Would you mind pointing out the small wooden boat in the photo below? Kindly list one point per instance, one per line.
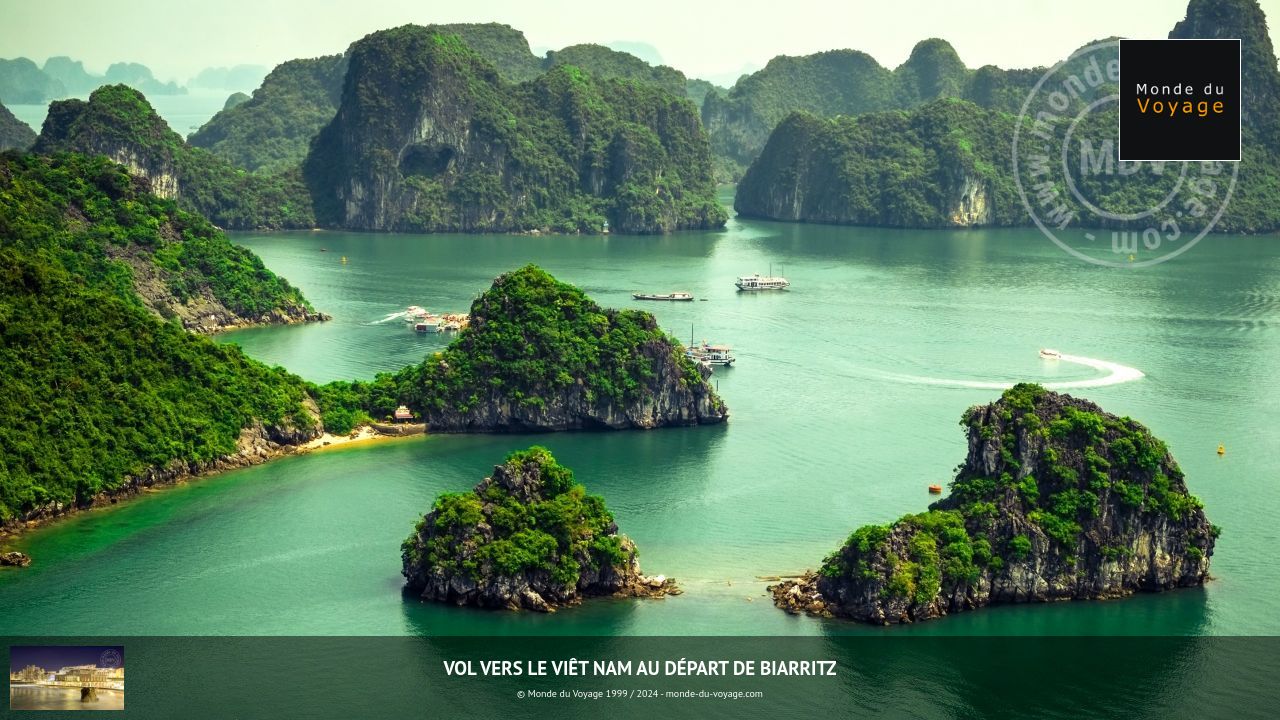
(670, 297)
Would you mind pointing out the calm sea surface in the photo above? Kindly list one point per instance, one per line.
(845, 403)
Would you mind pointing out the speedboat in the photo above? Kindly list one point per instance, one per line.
(1050, 354)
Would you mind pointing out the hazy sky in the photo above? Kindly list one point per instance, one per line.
(710, 39)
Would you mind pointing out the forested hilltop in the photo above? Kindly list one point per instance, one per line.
(847, 82)
(102, 389)
(430, 138)
(118, 122)
(949, 162)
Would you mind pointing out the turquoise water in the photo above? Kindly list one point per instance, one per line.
(844, 407)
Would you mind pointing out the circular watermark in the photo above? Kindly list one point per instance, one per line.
(110, 658)
(1102, 210)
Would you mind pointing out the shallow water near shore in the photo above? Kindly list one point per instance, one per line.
(844, 403)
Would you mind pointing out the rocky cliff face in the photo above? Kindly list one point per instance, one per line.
(117, 122)
(1056, 500)
(428, 137)
(14, 134)
(527, 538)
(668, 398)
(539, 355)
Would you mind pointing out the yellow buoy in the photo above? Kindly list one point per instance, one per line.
(1130, 257)
(344, 259)
(1222, 449)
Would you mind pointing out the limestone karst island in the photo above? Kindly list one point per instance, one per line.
(581, 360)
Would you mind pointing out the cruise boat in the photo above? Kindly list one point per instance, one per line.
(1050, 354)
(756, 281)
(712, 354)
(672, 297)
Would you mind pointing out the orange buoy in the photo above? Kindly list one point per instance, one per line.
(935, 489)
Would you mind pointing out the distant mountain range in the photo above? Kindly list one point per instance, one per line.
(844, 139)
(23, 82)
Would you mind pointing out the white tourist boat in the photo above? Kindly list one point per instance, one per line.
(756, 281)
(709, 354)
(1050, 354)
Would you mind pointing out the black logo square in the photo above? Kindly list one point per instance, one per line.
(1179, 100)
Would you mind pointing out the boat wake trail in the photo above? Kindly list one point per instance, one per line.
(389, 318)
(1116, 374)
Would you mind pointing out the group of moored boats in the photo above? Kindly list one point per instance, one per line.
(711, 354)
(747, 283)
(425, 321)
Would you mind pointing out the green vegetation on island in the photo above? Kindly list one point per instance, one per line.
(118, 122)
(273, 130)
(541, 355)
(234, 99)
(97, 393)
(430, 138)
(529, 536)
(90, 216)
(106, 389)
(1056, 500)
(608, 64)
(948, 162)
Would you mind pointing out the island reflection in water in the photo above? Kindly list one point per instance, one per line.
(32, 697)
